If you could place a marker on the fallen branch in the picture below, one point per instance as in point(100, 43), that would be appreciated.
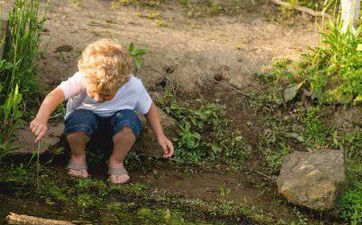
point(13, 218)
point(301, 9)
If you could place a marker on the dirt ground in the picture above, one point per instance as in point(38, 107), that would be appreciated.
point(237, 46)
point(196, 49)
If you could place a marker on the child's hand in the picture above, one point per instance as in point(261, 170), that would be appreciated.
point(166, 145)
point(39, 128)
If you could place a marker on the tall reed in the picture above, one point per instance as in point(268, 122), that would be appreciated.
point(22, 46)
point(17, 68)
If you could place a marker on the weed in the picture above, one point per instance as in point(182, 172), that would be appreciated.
point(301, 219)
point(150, 15)
point(199, 8)
point(351, 205)
point(204, 135)
point(274, 158)
point(75, 2)
point(11, 116)
point(59, 112)
point(332, 70)
point(224, 192)
point(21, 49)
point(154, 16)
point(161, 22)
point(137, 55)
point(116, 4)
point(316, 132)
point(17, 82)
point(350, 142)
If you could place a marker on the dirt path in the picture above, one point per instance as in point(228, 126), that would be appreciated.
point(195, 48)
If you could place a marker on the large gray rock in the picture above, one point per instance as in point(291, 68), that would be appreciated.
point(313, 179)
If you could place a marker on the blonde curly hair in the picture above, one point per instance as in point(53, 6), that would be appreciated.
point(106, 66)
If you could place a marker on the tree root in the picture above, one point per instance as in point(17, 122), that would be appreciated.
point(301, 9)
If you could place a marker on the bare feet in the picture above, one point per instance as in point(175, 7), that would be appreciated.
point(118, 173)
point(77, 167)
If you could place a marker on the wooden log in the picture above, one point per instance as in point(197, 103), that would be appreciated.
point(13, 218)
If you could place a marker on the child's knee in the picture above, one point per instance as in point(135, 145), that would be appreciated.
point(124, 133)
point(78, 138)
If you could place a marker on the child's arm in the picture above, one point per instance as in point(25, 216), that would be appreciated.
point(39, 125)
point(154, 121)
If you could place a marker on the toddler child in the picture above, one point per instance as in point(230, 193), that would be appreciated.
point(102, 96)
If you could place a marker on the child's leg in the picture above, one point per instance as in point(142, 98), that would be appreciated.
point(77, 142)
point(126, 127)
point(122, 144)
point(79, 126)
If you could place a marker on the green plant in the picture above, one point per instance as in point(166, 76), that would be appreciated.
point(333, 70)
point(350, 141)
point(204, 133)
point(224, 192)
point(116, 4)
point(17, 81)
point(316, 132)
point(351, 205)
point(137, 55)
point(10, 115)
point(302, 219)
point(21, 49)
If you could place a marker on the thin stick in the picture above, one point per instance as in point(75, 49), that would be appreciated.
point(38, 168)
point(262, 174)
point(231, 87)
point(301, 9)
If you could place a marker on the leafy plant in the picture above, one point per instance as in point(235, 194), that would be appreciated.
point(316, 132)
point(334, 70)
point(137, 55)
point(204, 134)
point(21, 49)
point(351, 205)
point(17, 81)
point(10, 114)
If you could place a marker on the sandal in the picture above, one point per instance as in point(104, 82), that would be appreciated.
point(77, 167)
point(119, 171)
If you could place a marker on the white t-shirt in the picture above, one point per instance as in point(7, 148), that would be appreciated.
point(132, 95)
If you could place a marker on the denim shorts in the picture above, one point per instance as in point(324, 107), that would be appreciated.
point(90, 123)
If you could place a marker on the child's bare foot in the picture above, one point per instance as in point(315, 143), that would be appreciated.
point(77, 167)
point(118, 174)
